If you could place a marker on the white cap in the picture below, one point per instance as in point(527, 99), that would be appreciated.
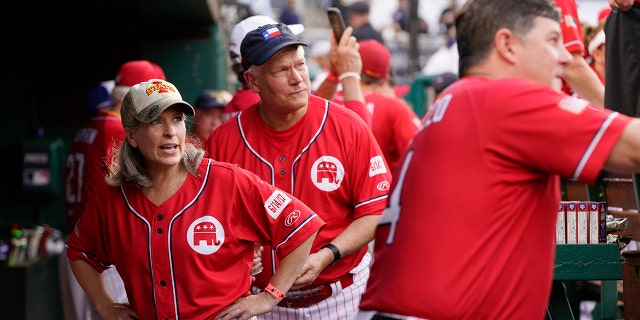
point(251, 23)
point(320, 47)
point(145, 101)
point(597, 41)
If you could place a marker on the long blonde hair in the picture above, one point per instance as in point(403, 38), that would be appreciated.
point(127, 164)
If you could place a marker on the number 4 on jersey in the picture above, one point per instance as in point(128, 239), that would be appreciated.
point(391, 214)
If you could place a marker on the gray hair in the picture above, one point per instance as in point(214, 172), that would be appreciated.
point(127, 165)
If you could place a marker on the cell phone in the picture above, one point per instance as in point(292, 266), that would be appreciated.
point(336, 21)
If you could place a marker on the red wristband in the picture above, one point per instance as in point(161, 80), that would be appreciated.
point(274, 291)
point(331, 77)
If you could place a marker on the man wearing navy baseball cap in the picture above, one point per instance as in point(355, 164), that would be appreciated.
point(259, 45)
point(320, 151)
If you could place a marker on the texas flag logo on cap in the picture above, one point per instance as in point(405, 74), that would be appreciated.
point(271, 33)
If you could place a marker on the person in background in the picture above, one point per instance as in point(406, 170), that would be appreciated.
point(319, 54)
point(577, 77)
point(194, 222)
point(445, 59)
point(289, 15)
point(442, 81)
point(243, 97)
point(486, 140)
point(358, 18)
point(208, 116)
point(100, 96)
point(623, 72)
point(446, 20)
point(87, 163)
point(258, 7)
point(320, 152)
point(603, 14)
point(623, 67)
point(595, 43)
point(402, 19)
point(345, 65)
point(393, 121)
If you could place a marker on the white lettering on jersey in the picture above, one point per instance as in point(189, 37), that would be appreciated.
point(370, 107)
point(327, 173)
point(376, 166)
point(205, 235)
point(276, 203)
point(573, 105)
point(436, 111)
point(86, 135)
point(391, 214)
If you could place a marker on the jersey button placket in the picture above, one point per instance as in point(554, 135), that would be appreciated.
point(282, 159)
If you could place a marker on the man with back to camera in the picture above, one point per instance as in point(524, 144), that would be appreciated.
point(318, 151)
point(469, 230)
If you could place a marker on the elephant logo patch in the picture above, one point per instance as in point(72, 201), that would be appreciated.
point(205, 235)
point(327, 173)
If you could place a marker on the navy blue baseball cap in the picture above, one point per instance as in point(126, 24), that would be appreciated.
point(262, 43)
point(213, 98)
point(443, 80)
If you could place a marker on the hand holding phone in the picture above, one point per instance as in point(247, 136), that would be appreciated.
point(336, 21)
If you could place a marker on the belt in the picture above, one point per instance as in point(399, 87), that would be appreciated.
point(307, 297)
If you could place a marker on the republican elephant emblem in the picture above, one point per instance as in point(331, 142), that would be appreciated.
point(206, 235)
point(205, 232)
point(327, 173)
point(326, 170)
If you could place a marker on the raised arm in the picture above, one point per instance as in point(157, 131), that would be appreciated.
point(583, 80)
point(346, 66)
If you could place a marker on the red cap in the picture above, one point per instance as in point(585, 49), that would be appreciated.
point(401, 90)
point(375, 58)
point(603, 14)
point(134, 72)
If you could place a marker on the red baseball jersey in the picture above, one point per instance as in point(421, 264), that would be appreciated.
point(571, 27)
point(470, 226)
point(393, 124)
point(87, 161)
point(571, 32)
point(191, 256)
point(329, 160)
point(242, 99)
